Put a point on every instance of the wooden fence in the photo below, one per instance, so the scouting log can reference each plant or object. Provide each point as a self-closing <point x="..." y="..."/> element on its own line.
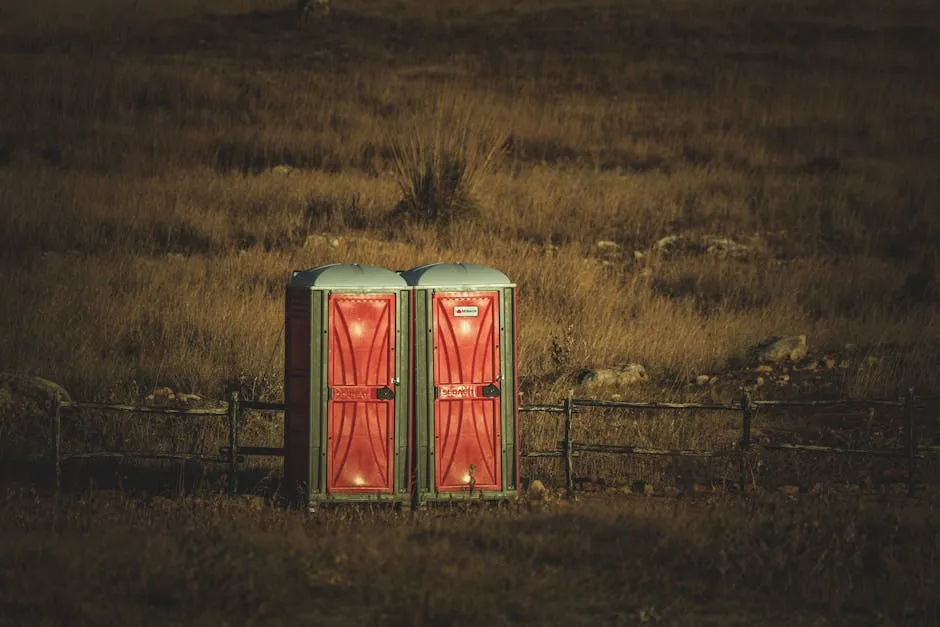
<point x="234" y="454"/>
<point x="911" y="450"/>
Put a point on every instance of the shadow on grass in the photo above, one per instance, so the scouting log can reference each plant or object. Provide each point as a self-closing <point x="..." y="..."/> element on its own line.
<point x="136" y="478"/>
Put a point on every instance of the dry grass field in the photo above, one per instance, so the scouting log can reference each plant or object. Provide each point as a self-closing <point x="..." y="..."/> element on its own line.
<point x="165" y="165"/>
<point x="826" y="560"/>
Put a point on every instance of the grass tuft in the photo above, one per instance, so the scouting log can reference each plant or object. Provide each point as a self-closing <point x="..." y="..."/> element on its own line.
<point x="439" y="165"/>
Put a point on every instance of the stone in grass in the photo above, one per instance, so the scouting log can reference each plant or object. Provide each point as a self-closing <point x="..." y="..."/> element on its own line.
<point x="36" y="388"/>
<point x="669" y="243"/>
<point x="162" y="394"/>
<point x="537" y="497"/>
<point x="537" y="492"/>
<point x="723" y="247"/>
<point x="166" y="395"/>
<point x="779" y="348"/>
<point x="625" y="374"/>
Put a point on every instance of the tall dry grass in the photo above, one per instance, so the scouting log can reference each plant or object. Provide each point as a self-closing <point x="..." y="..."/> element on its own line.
<point x="442" y="161"/>
<point x="146" y="235"/>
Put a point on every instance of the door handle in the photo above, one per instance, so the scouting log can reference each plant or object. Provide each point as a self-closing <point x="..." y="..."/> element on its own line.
<point x="465" y="391"/>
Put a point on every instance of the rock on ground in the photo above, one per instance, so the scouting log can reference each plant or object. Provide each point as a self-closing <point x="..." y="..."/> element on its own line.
<point x="712" y="245"/>
<point x="536" y="491"/>
<point x="626" y="374"/>
<point x="777" y="349"/>
<point x="34" y="387"/>
<point x="724" y="247"/>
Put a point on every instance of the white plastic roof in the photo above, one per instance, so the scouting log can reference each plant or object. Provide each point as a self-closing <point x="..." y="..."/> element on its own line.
<point x="455" y="275"/>
<point x="347" y="276"/>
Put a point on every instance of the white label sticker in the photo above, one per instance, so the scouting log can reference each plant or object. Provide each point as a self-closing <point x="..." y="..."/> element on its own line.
<point x="466" y="312"/>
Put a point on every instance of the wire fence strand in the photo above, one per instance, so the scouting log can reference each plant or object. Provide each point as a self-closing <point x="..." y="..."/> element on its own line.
<point x="234" y="454"/>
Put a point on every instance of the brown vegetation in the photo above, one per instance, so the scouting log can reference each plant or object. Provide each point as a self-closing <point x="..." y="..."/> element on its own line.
<point x="822" y="560"/>
<point x="146" y="235"/>
<point x="164" y="168"/>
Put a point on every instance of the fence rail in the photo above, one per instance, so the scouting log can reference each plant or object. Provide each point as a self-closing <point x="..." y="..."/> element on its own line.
<point x="623" y="449"/>
<point x="545" y="409"/>
<point x="235" y="453"/>
<point x="142" y="409"/>
<point x="630" y="405"/>
<point x="183" y="457"/>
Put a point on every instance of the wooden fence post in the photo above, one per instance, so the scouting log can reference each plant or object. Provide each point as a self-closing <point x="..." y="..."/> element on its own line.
<point x="233" y="443"/>
<point x="911" y="443"/>
<point x="746" y="412"/>
<point x="569" y="467"/>
<point x="57" y="419"/>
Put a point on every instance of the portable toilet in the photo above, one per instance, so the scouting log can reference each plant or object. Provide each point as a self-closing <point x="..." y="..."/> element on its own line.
<point x="465" y="401"/>
<point x="347" y="409"/>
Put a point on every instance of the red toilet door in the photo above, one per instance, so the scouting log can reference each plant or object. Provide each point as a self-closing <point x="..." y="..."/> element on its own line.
<point x="466" y="390"/>
<point x="361" y="405"/>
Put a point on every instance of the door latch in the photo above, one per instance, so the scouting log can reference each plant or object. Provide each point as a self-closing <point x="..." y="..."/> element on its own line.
<point x="491" y="391"/>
